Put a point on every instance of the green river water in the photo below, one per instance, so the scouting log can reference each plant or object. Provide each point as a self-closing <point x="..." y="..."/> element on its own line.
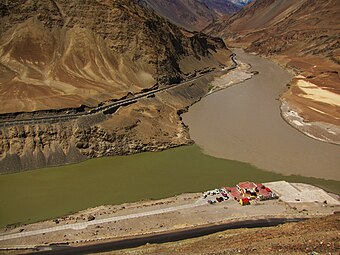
<point x="52" y="192"/>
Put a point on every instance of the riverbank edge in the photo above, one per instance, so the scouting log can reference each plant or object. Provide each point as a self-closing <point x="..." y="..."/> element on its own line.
<point x="298" y="214"/>
<point x="316" y="128"/>
<point x="13" y="159"/>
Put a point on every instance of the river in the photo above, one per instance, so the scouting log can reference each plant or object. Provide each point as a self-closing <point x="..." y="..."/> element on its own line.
<point x="243" y="123"/>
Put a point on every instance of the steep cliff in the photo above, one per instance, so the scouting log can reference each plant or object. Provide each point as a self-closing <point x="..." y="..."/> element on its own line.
<point x="60" y="54"/>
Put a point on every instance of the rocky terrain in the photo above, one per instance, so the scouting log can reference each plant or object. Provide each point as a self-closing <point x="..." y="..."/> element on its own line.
<point x="192" y="14"/>
<point x="151" y="124"/>
<point x="304" y="37"/>
<point x="59" y="54"/>
<point x="291" y="238"/>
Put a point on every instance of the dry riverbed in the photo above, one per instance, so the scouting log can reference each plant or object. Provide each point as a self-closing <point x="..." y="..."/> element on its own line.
<point x="180" y="212"/>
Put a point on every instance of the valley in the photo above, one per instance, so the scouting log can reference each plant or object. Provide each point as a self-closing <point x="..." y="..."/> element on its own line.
<point x="302" y="36"/>
<point x="94" y="78"/>
<point x="130" y="122"/>
<point x="244" y="123"/>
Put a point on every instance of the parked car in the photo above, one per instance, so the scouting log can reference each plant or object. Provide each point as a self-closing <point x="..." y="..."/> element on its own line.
<point x="219" y="199"/>
<point x="225" y="195"/>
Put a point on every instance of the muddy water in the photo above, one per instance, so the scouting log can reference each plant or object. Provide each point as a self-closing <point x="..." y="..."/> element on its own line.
<point x="52" y="192"/>
<point x="243" y="123"/>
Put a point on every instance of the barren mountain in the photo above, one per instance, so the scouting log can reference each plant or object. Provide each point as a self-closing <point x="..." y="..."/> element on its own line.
<point x="304" y="36"/>
<point x="222" y="7"/>
<point x="192" y="14"/>
<point x="61" y="54"/>
<point x="58" y="55"/>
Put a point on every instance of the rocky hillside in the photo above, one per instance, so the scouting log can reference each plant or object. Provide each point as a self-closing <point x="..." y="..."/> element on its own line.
<point x="314" y="236"/>
<point x="58" y="54"/>
<point x="304" y="36"/>
<point x="222" y="7"/>
<point x="274" y="27"/>
<point x="192" y="14"/>
<point x="61" y="54"/>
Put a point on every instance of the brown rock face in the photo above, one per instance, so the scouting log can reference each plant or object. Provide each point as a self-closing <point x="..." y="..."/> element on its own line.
<point x="281" y="27"/>
<point x="192" y="14"/>
<point x="61" y="54"/>
<point x="151" y="124"/>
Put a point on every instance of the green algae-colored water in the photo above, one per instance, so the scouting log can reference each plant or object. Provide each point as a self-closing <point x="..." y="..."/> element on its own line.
<point x="52" y="192"/>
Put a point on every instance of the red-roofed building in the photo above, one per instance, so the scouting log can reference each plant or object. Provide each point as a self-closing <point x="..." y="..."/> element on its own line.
<point x="247" y="188"/>
<point x="234" y="192"/>
<point x="260" y="186"/>
<point x="245" y="201"/>
<point x="264" y="192"/>
<point x="248" y="191"/>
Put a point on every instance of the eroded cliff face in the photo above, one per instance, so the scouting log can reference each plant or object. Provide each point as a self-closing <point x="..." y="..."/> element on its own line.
<point x="59" y="54"/>
<point x="151" y="124"/>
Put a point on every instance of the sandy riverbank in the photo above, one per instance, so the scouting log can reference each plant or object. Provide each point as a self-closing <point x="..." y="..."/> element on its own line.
<point x="313" y="110"/>
<point x="244" y="123"/>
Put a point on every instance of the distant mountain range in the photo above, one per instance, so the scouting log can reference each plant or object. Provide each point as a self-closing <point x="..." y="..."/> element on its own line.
<point x="307" y="27"/>
<point x="194" y="14"/>
<point x="240" y="2"/>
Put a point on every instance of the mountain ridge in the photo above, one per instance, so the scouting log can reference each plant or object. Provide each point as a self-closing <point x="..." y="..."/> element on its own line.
<point x="85" y="56"/>
<point x="193" y="15"/>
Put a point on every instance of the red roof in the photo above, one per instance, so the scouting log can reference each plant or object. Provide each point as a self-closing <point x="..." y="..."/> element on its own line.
<point x="234" y="192"/>
<point x="247" y="185"/>
<point x="259" y="185"/>
<point x="264" y="192"/>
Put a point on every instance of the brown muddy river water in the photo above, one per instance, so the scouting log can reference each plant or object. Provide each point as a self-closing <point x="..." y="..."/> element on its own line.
<point x="243" y="123"/>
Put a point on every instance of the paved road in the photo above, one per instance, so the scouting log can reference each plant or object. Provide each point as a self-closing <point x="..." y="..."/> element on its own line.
<point x="83" y="225"/>
<point x="65" y="117"/>
<point x="164" y="237"/>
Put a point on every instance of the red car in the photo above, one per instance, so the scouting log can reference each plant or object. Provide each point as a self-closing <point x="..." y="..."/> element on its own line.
<point x="225" y="195"/>
<point x="219" y="199"/>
